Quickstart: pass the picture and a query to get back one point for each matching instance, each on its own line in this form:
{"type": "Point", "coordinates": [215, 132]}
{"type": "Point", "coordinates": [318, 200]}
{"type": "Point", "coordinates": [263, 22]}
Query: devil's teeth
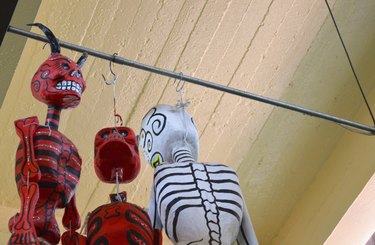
{"type": "Point", "coordinates": [69, 85]}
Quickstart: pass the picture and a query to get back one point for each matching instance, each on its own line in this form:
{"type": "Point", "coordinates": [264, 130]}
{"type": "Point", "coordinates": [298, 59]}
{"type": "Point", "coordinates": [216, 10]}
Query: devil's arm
{"type": "Point", "coordinates": [26, 165]}
{"type": "Point", "coordinates": [27, 176]}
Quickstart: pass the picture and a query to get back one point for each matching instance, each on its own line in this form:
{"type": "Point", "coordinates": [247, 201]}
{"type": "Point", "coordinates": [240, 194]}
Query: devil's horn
{"type": "Point", "coordinates": [55, 47]}
{"type": "Point", "coordinates": [81, 61]}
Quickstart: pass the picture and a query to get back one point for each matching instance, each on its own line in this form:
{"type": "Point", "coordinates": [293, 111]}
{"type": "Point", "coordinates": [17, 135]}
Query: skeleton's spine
{"type": "Point", "coordinates": [207, 197]}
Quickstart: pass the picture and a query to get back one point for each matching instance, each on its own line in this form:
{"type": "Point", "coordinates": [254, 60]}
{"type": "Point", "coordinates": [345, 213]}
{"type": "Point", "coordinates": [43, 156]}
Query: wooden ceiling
{"type": "Point", "coordinates": [299, 174]}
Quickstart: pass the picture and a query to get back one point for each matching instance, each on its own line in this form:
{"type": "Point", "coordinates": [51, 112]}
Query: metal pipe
{"type": "Point", "coordinates": [172, 74]}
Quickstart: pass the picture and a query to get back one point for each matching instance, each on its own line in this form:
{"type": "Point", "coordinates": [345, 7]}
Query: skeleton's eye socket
{"type": "Point", "coordinates": [104, 135]}
{"type": "Point", "coordinates": [65, 66]}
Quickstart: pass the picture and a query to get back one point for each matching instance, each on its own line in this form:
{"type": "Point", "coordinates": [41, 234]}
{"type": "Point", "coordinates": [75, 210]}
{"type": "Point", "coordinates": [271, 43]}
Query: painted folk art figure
{"type": "Point", "coordinates": [196, 203]}
{"type": "Point", "coordinates": [119, 222]}
{"type": "Point", "coordinates": [116, 151]}
{"type": "Point", "coordinates": [48, 165]}
{"type": "Point", "coordinates": [116, 223]}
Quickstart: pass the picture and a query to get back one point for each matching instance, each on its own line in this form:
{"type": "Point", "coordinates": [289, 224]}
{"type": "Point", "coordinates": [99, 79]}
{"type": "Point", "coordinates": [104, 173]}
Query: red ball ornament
{"type": "Point", "coordinates": [119, 223]}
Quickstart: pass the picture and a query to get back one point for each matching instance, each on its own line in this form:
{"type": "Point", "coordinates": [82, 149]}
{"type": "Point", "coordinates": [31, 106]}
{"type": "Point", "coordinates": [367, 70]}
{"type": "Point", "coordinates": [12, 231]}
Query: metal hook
{"type": "Point", "coordinates": [113, 81]}
{"type": "Point", "coordinates": [180, 84]}
{"type": "Point", "coordinates": [117, 118]}
{"type": "Point", "coordinates": [110, 63]}
{"type": "Point", "coordinates": [180, 90]}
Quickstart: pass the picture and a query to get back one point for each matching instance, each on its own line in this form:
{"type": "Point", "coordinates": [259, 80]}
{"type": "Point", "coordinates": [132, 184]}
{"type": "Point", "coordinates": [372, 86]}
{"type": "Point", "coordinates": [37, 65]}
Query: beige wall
{"type": "Point", "coordinates": [348, 168]}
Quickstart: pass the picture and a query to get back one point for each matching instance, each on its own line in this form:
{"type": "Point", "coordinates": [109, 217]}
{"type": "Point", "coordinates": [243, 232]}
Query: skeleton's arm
{"type": "Point", "coordinates": [154, 216]}
{"type": "Point", "coordinates": [246, 234]}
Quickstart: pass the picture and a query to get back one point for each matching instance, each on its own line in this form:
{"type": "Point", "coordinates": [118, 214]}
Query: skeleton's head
{"type": "Point", "coordinates": [116, 150]}
{"type": "Point", "coordinates": [165, 130]}
{"type": "Point", "coordinates": [59, 80]}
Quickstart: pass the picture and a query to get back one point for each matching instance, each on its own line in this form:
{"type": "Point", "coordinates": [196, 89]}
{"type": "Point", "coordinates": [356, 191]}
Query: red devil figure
{"type": "Point", "coordinates": [119, 222]}
{"type": "Point", "coordinates": [48, 165]}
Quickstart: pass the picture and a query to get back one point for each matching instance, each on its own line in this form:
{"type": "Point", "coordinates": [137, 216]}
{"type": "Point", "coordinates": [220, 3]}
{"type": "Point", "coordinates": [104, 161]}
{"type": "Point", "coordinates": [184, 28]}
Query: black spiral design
{"type": "Point", "coordinates": [158, 122]}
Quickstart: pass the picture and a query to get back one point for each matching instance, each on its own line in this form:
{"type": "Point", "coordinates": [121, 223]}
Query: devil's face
{"type": "Point", "coordinates": [58, 82]}
{"type": "Point", "coordinates": [116, 150]}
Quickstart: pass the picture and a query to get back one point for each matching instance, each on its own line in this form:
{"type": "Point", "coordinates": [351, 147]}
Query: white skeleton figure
{"type": "Point", "coordinates": [195, 203]}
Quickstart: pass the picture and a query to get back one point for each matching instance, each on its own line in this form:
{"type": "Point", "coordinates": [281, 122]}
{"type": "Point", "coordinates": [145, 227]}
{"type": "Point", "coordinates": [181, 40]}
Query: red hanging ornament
{"type": "Point", "coordinates": [116, 151]}
{"type": "Point", "coordinates": [116, 223]}
{"type": "Point", "coordinates": [48, 165]}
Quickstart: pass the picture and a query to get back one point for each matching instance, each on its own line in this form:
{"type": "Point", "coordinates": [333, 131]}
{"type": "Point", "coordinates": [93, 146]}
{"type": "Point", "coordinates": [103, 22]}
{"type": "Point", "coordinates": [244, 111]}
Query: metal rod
{"type": "Point", "coordinates": [176, 75]}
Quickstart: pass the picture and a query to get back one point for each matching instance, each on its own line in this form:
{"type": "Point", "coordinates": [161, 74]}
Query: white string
{"type": "Point", "coordinates": [180, 90]}
{"type": "Point", "coordinates": [118, 187]}
{"type": "Point", "coordinates": [181, 104]}
{"type": "Point", "coordinates": [113, 83]}
{"type": "Point", "coordinates": [114, 100]}
{"type": "Point", "coordinates": [50, 131]}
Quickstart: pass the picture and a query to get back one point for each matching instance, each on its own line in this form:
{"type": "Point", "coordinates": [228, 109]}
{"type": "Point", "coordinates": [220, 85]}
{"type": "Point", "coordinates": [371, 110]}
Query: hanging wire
{"type": "Point", "coordinates": [351, 65]}
{"type": "Point", "coordinates": [181, 104]}
{"type": "Point", "coordinates": [118, 187]}
{"type": "Point", "coordinates": [116, 117]}
{"type": "Point", "coordinates": [180, 90]}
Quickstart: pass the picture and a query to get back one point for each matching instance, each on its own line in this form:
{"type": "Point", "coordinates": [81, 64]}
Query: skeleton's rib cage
{"type": "Point", "coordinates": [199, 204]}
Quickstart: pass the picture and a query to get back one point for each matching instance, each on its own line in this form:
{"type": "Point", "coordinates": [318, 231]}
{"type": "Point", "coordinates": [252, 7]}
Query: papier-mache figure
{"type": "Point", "coordinates": [119, 222]}
{"type": "Point", "coordinates": [48, 165]}
{"type": "Point", "coordinates": [195, 203]}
